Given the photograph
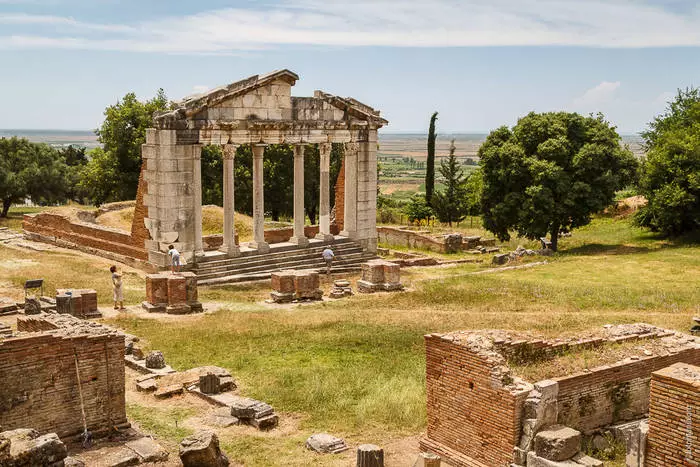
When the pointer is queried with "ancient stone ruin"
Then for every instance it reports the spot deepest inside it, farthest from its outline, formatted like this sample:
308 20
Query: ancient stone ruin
172 293
481 413
288 286
257 111
379 275
57 366
81 303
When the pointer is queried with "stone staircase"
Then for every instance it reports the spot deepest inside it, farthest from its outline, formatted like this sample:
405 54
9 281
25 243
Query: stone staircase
217 269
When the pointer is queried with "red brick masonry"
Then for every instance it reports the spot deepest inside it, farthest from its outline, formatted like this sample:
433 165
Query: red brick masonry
674 417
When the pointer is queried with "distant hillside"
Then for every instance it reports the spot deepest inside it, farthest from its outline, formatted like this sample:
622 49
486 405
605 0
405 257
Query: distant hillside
58 138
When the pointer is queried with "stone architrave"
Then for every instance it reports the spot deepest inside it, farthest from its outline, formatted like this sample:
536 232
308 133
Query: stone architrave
258 242
350 206
299 238
229 246
324 217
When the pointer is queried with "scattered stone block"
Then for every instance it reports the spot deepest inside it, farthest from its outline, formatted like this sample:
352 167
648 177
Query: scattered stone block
119 457
7 306
557 443
255 413
147 384
369 455
326 444
170 390
307 285
32 306
341 288
155 359
25 447
202 450
500 259
587 461
222 418
209 384
148 450
453 243
533 460
427 459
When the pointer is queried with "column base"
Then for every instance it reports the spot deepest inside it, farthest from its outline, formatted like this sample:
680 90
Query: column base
349 233
325 237
300 241
231 251
262 247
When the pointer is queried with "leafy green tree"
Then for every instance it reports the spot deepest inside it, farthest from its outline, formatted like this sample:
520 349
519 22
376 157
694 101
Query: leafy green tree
450 204
243 175
113 174
279 180
417 209
670 175
30 170
474 187
550 173
75 159
213 175
430 162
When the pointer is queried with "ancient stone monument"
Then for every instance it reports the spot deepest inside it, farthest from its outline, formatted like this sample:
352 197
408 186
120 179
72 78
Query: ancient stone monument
378 275
288 286
256 111
172 293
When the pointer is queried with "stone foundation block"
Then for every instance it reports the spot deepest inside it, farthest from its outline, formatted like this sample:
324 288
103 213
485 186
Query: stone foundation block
177 290
202 450
557 443
533 460
278 297
283 282
151 308
157 289
178 309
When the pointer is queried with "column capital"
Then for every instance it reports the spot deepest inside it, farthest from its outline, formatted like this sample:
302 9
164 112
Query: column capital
230 151
299 150
325 148
352 148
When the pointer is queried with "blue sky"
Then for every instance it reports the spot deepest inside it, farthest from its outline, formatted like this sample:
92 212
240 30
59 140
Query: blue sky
481 64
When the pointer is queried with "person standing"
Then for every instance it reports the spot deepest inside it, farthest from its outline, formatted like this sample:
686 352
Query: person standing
175 265
117 288
328 255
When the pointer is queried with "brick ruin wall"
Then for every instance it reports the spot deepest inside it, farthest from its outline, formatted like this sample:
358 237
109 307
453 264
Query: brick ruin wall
92 238
472 418
475 419
674 417
613 393
39 384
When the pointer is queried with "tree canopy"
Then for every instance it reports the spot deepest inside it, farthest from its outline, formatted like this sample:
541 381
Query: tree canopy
113 171
30 170
430 161
670 175
550 173
450 204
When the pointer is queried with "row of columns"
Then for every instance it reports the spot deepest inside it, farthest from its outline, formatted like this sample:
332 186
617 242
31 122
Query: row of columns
229 242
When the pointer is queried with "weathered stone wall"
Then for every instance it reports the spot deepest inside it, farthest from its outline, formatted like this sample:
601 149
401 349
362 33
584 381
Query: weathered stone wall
270 102
674 417
61 230
409 239
612 393
40 387
473 418
367 192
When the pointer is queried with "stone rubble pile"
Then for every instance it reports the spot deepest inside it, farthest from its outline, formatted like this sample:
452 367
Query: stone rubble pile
341 288
519 253
324 443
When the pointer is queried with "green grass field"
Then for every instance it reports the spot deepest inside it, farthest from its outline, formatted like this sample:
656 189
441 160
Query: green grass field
356 367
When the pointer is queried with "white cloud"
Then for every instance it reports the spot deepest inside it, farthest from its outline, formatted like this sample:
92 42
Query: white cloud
414 23
597 97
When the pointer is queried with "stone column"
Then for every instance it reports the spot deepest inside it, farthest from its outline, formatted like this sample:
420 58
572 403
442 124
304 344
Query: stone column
350 211
258 201
324 217
197 195
229 246
299 237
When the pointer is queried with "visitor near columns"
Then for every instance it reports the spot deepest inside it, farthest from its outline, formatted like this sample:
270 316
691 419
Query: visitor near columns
328 255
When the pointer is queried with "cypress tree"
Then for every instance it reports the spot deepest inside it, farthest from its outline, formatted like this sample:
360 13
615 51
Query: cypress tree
430 166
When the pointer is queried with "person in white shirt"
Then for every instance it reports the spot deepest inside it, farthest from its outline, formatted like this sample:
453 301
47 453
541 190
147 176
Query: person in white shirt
174 259
117 288
328 255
